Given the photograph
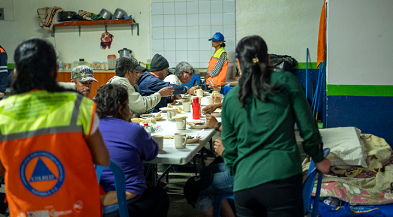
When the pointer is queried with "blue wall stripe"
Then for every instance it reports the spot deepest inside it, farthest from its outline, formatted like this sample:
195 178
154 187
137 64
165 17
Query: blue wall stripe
371 114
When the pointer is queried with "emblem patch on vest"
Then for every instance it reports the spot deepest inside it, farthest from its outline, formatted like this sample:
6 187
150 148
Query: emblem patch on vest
42 173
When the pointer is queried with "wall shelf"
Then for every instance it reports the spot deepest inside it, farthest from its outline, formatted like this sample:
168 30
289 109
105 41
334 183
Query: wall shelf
95 23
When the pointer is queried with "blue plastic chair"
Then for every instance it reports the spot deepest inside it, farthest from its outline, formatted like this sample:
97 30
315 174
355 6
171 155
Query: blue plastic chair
120 185
308 186
195 78
217 203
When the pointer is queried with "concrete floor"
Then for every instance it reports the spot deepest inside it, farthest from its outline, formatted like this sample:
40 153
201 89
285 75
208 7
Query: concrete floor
178 204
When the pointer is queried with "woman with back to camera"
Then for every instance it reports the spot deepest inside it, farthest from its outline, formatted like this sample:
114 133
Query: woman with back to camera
49 140
258 118
128 145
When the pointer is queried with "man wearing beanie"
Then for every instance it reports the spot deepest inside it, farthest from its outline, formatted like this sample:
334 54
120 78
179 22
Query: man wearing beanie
150 83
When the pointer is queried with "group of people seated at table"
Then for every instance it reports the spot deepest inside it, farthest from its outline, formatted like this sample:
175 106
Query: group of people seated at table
147 92
51 136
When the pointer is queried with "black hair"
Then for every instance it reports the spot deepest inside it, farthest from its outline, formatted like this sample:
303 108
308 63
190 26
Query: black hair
251 51
223 44
35 63
125 63
109 98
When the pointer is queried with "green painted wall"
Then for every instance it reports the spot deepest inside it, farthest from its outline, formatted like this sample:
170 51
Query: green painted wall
352 90
359 90
11 65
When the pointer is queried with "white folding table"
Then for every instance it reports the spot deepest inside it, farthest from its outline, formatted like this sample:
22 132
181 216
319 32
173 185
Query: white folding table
171 155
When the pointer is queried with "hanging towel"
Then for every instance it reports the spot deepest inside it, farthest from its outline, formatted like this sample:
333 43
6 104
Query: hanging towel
48 16
321 52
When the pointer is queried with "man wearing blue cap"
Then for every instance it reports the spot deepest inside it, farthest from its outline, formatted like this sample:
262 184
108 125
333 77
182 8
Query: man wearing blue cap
218 64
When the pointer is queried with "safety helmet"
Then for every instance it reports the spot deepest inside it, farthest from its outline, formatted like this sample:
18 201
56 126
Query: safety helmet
217 37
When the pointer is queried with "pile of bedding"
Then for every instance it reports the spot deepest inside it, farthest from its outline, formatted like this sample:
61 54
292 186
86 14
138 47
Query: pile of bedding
365 176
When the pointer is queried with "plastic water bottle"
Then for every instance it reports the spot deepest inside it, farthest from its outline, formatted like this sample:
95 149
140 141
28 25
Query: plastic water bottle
196 108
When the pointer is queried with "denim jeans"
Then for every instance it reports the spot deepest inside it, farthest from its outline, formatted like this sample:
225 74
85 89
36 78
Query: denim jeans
222 183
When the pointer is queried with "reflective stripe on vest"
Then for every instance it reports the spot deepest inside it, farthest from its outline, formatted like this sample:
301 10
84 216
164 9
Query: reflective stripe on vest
48 164
14 111
221 76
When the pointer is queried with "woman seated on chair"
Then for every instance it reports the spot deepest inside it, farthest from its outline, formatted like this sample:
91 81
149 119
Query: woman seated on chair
128 145
222 179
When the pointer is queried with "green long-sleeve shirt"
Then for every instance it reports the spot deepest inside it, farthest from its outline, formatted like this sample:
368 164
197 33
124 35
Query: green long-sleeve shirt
259 139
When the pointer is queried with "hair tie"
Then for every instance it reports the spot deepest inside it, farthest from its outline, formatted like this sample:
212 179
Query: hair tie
255 60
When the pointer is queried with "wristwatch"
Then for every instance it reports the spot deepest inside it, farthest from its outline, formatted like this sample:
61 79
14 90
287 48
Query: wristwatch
218 126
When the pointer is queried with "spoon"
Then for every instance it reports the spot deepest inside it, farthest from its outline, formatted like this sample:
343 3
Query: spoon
199 134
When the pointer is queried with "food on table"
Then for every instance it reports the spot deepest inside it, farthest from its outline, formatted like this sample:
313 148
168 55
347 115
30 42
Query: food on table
147 116
150 121
136 120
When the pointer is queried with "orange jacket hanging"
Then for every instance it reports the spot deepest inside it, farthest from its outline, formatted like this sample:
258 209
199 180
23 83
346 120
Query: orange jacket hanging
48 165
321 52
221 76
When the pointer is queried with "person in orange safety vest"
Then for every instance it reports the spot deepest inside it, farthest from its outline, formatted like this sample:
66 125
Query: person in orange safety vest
218 64
49 141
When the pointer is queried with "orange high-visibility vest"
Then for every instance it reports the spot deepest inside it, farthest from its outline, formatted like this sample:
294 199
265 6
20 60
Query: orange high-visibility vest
221 76
48 164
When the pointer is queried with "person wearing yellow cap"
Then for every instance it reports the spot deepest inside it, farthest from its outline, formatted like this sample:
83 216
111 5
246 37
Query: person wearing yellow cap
218 64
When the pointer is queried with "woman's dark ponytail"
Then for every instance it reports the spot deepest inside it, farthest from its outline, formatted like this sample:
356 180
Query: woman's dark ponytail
35 63
255 80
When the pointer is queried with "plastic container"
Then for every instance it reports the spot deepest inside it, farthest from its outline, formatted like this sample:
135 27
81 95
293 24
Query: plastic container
196 108
147 128
111 61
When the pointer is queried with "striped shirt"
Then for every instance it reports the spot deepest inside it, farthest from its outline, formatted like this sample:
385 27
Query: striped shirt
218 66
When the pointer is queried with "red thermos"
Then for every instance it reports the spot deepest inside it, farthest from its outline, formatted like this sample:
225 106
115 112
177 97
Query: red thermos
196 108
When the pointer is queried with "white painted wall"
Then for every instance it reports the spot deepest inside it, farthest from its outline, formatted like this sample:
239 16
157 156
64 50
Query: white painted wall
288 26
69 45
360 42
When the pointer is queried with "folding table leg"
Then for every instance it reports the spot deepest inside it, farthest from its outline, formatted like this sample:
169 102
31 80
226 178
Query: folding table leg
195 167
166 172
154 174
202 161
148 171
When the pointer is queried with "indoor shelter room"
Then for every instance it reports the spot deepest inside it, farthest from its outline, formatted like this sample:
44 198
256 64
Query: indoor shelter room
339 51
